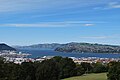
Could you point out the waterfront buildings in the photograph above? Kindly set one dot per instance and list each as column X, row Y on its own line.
column 19, row 57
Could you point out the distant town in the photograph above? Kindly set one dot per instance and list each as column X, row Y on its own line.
column 11, row 55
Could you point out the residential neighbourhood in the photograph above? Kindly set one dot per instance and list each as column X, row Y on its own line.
column 19, row 57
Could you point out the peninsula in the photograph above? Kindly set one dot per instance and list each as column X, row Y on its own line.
column 76, row 47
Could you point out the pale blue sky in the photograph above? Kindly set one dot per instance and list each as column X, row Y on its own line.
column 25, row 22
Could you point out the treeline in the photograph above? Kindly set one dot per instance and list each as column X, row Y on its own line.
column 53, row 69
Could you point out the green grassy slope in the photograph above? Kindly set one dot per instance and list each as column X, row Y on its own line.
column 100, row 76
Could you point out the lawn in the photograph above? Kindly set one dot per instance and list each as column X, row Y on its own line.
column 100, row 76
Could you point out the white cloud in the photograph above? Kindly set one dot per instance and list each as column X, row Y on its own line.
column 110, row 5
column 33, row 25
column 114, row 5
column 52, row 24
column 89, row 24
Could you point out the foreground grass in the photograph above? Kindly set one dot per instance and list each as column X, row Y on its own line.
column 100, row 76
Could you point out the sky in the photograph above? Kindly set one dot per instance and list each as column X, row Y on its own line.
column 26, row 22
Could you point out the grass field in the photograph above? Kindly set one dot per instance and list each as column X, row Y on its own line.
column 100, row 76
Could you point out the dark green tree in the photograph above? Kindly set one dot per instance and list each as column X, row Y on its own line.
column 28, row 71
column 2, row 74
column 80, row 70
column 87, row 67
column 99, row 68
column 48, row 70
column 114, row 71
column 67, row 67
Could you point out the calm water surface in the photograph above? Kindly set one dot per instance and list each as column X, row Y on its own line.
column 42, row 52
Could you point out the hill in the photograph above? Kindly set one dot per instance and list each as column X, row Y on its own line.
column 6, row 47
column 40, row 46
column 100, row 76
column 75, row 47
column 88, row 48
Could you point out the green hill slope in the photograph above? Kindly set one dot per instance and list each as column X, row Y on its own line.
column 100, row 76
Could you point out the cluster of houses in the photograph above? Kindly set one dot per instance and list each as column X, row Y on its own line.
column 94, row 60
column 84, row 59
column 18, row 58
column 14, row 56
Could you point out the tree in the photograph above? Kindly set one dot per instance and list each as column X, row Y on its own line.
column 2, row 74
column 67, row 67
column 87, row 67
column 99, row 68
column 28, row 71
column 80, row 70
column 48, row 70
column 114, row 71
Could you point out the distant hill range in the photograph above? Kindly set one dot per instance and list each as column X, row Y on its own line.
column 40, row 46
column 88, row 48
column 6, row 47
column 76, row 47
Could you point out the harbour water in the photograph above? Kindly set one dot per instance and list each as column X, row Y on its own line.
column 45, row 52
